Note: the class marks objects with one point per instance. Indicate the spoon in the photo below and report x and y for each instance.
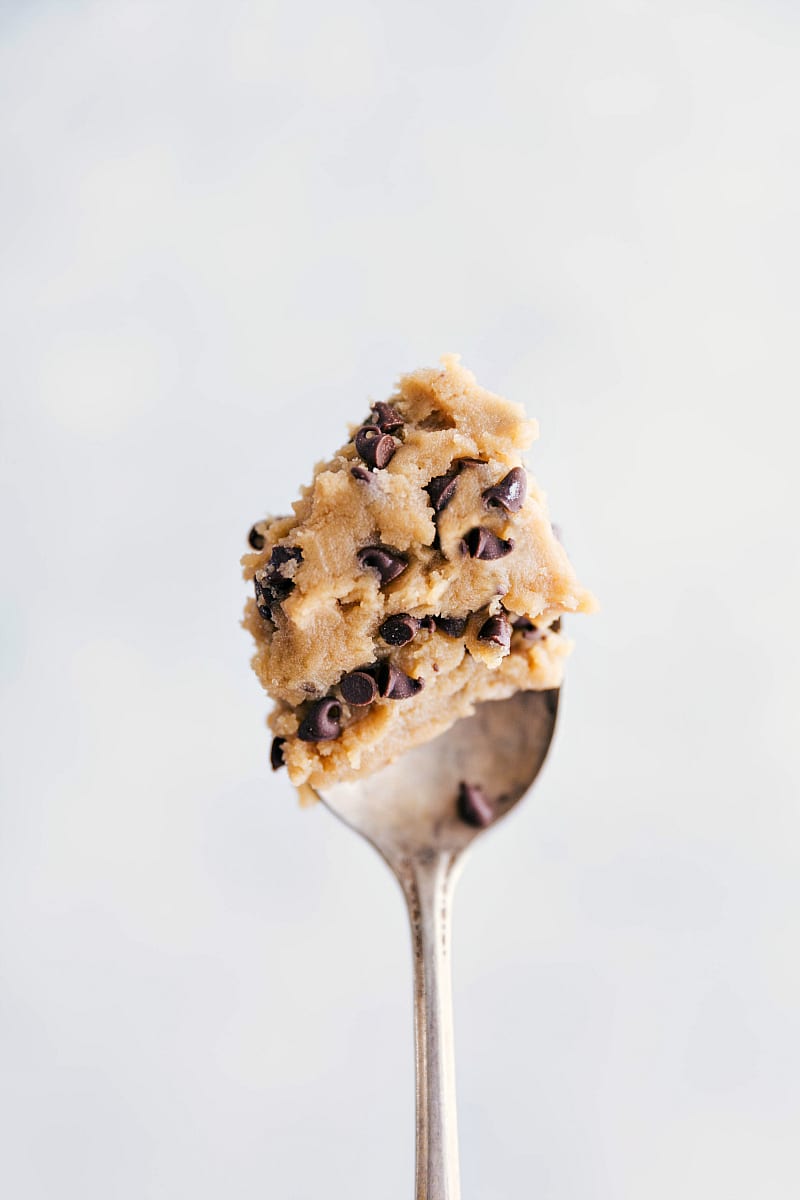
(409, 812)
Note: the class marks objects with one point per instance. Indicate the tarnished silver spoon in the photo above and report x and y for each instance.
(411, 813)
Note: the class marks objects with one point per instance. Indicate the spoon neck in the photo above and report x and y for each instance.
(428, 884)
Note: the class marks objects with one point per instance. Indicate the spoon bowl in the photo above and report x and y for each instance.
(409, 807)
(409, 811)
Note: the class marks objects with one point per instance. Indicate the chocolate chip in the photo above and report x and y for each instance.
(280, 588)
(399, 629)
(441, 490)
(321, 722)
(453, 627)
(394, 684)
(474, 806)
(273, 583)
(358, 688)
(388, 564)
(496, 630)
(428, 623)
(509, 493)
(360, 473)
(285, 554)
(276, 753)
(376, 448)
(470, 462)
(367, 433)
(383, 451)
(482, 543)
(262, 601)
(533, 633)
(529, 631)
(387, 419)
(274, 587)
(256, 538)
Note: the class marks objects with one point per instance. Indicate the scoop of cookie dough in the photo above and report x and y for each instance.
(418, 576)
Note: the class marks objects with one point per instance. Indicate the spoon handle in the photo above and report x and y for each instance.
(428, 886)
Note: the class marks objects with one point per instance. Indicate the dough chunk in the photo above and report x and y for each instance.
(418, 576)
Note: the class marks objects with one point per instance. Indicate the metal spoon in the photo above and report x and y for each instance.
(408, 811)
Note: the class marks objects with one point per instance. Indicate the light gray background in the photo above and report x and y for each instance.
(224, 227)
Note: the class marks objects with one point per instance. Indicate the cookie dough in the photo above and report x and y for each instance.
(418, 576)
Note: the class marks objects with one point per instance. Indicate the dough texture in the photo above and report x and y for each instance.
(418, 576)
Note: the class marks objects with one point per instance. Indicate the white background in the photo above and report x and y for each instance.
(224, 227)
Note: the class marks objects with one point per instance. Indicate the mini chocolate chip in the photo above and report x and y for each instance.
(482, 543)
(387, 419)
(383, 451)
(285, 554)
(321, 722)
(262, 602)
(399, 629)
(385, 562)
(471, 462)
(428, 623)
(441, 490)
(276, 753)
(394, 684)
(271, 584)
(360, 473)
(474, 806)
(374, 447)
(276, 588)
(453, 627)
(358, 688)
(529, 631)
(496, 630)
(256, 538)
(533, 632)
(509, 493)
